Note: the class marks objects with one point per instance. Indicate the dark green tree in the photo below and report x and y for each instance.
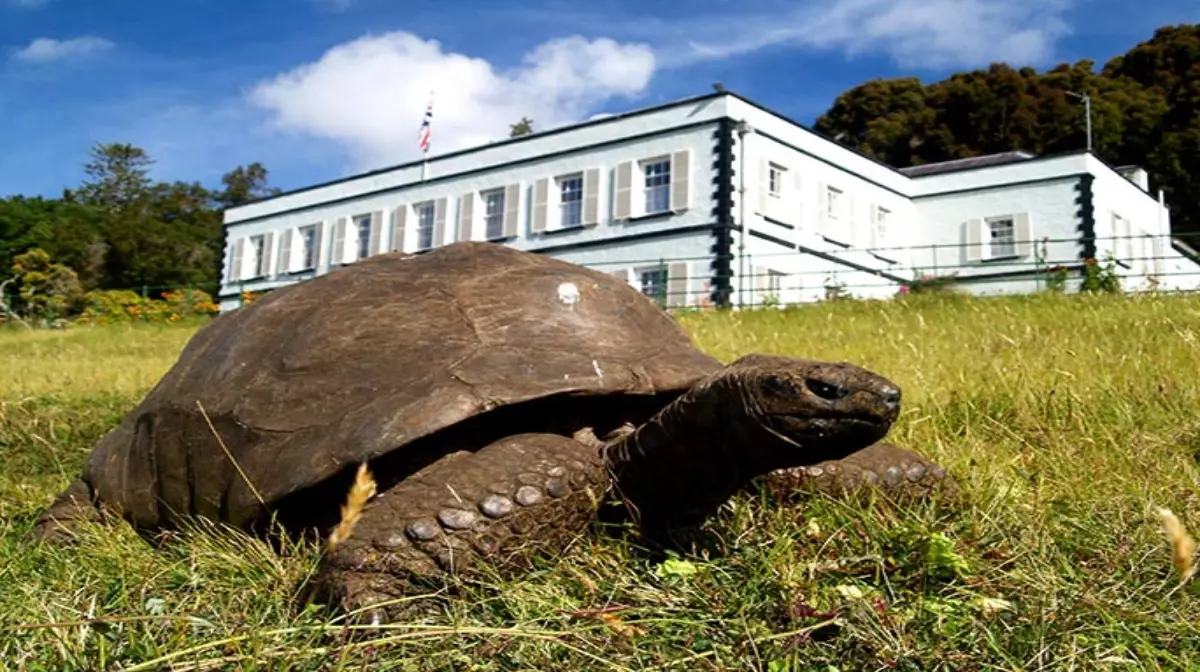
(1145, 111)
(522, 127)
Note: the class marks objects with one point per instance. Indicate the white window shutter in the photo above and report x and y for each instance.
(622, 196)
(339, 242)
(285, 252)
(1114, 225)
(762, 279)
(625, 274)
(678, 284)
(399, 218)
(872, 226)
(591, 197)
(876, 235)
(973, 238)
(439, 221)
(318, 243)
(541, 194)
(268, 253)
(512, 211)
(681, 180)
(764, 185)
(822, 206)
(239, 254)
(1023, 234)
(1126, 238)
(856, 229)
(466, 216)
(756, 283)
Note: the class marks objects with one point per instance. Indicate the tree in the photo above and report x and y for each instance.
(245, 184)
(522, 127)
(1145, 111)
(120, 176)
(71, 233)
(47, 289)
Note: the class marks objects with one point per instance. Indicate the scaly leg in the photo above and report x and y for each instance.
(59, 522)
(897, 472)
(499, 506)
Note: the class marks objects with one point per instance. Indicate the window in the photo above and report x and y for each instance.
(259, 252)
(571, 200)
(833, 202)
(654, 283)
(1001, 238)
(657, 174)
(1122, 240)
(880, 231)
(362, 225)
(493, 213)
(424, 213)
(775, 180)
(1147, 254)
(775, 283)
(308, 243)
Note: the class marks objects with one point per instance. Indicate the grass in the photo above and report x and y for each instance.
(1070, 420)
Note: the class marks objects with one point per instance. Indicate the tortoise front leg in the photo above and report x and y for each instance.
(895, 471)
(522, 495)
(59, 523)
(898, 472)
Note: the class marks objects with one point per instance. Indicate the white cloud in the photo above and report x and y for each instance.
(46, 49)
(914, 33)
(369, 94)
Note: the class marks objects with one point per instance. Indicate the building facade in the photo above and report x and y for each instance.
(716, 199)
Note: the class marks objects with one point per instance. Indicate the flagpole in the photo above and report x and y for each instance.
(426, 132)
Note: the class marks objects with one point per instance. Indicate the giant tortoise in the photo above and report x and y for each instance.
(498, 397)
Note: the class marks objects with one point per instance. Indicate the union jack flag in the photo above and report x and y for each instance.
(426, 128)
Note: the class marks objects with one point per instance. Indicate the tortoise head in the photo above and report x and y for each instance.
(813, 410)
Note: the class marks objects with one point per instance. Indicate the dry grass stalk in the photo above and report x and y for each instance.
(1183, 547)
(362, 491)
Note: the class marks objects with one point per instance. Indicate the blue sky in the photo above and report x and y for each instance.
(316, 89)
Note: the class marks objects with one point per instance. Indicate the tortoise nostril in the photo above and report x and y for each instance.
(890, 396)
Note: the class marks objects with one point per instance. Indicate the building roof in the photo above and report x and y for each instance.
(968, 163)
(594, 120)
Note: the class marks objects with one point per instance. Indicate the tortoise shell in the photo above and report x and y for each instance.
(366, 361)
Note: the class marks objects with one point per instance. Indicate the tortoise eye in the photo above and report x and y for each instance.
(824, 390)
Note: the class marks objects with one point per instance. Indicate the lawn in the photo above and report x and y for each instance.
(1068, 420)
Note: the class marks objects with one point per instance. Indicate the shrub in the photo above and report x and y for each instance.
(122, 305)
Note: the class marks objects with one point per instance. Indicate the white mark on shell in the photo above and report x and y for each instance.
(568, 294)
(596, 366)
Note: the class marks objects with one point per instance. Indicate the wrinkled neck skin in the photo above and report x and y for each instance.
(690, 457)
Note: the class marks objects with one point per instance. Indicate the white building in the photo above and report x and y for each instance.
(716, 198)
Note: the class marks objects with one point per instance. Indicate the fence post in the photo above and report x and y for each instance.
(750, 279)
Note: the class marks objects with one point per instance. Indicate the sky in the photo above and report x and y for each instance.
(321, 89)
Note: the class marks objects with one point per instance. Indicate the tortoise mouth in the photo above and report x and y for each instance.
(830, 428)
